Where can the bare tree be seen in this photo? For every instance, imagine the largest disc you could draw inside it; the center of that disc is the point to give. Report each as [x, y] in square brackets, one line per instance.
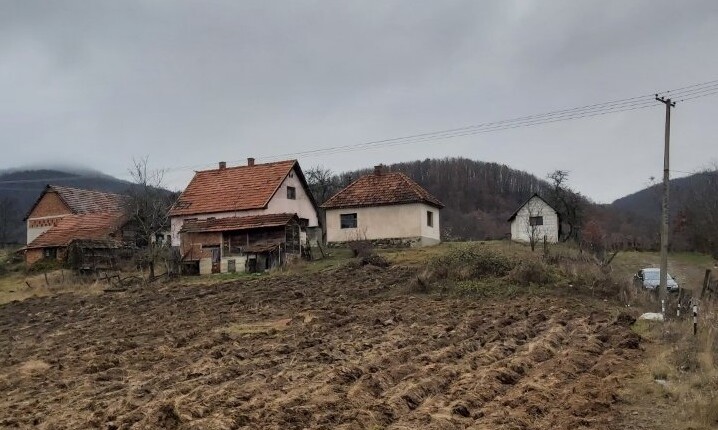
[9, 219]
[533, 224]
[322, 183]
[147, 210]
[569, 204]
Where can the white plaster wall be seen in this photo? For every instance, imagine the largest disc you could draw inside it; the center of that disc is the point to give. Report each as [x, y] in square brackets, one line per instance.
[429, 235]
[33, 233]
[384, 222]
[520, 230]
[239, 263]
[279, 203]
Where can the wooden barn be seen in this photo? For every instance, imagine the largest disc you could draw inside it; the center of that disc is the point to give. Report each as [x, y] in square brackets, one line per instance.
[65, 217]
[237, 244]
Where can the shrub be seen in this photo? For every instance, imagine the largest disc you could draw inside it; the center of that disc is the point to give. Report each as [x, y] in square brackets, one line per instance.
[44, 265]
[361, 248]
[533, 272]
[470, 262]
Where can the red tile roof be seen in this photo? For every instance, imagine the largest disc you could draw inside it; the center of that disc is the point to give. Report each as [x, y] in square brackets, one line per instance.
[236, 223]
[81, 201]
[86, 227]
[389, 188]
[232, 188]
[88, 201]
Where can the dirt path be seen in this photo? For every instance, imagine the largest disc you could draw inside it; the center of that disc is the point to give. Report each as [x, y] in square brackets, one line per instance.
[346, 349]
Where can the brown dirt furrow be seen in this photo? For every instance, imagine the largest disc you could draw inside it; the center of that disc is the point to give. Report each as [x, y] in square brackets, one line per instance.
[347, 349]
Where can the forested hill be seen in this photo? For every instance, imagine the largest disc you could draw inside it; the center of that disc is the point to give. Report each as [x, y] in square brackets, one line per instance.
[693, 210]
[19, 190]
[479, 196]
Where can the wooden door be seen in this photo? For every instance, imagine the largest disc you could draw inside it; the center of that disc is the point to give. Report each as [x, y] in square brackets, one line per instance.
[215, 260]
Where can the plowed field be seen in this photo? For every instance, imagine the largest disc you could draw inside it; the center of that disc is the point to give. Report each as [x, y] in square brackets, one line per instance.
[347, 348]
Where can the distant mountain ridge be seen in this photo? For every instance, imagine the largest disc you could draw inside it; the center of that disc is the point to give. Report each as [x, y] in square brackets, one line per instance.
[647, 202]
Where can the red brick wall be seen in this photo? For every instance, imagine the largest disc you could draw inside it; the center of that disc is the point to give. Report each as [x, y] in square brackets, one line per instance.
[43, 222]
[195, 240]
[32, 256]
[50, 204]
[36, 254]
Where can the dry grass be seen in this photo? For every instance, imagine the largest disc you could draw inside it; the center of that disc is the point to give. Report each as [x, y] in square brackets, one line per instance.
[256, 327]
[18, 286]
[687, 364]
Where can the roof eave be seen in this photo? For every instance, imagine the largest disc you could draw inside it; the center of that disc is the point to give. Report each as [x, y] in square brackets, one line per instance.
[366, 205]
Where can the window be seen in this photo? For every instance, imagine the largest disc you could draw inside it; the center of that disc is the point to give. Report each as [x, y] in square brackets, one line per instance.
[291, 193]
[348, 220]
[430, 218]
[535, 220]
[50, 253]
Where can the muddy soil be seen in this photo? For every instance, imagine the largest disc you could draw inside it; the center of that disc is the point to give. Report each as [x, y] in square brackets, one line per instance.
[346, 349]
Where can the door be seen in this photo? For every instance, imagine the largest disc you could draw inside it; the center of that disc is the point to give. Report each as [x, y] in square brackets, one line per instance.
[215, 260]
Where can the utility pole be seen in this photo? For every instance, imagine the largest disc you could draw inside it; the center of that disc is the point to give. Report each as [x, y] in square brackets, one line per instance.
[663, 288]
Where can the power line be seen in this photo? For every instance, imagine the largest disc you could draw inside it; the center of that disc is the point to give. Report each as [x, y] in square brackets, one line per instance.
[689, 92]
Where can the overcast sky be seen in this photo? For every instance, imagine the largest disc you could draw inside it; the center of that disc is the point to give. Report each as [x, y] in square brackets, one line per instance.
[190, 83]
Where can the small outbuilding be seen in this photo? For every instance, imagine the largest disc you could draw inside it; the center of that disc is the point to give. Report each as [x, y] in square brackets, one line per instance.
[252, 243]
[534, 221]
[386, 207]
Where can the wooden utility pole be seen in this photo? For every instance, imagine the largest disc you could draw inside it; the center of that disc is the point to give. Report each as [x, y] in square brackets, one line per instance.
[663, 288]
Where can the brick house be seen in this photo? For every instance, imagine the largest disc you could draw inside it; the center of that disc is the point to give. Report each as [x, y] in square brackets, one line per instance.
[386, 207]
[64, 215]
[249, 217]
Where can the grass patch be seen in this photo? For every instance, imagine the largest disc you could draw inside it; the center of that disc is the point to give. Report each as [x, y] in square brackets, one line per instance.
[265, 327]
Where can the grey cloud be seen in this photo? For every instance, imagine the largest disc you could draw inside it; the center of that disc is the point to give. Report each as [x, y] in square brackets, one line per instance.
[193, 82]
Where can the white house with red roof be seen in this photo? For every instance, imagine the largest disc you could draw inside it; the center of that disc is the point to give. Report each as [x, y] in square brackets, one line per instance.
[387, 207]
[231, 215]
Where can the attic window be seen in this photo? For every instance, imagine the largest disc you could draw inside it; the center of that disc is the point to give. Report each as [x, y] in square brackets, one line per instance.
[291, 193]
[535, 220]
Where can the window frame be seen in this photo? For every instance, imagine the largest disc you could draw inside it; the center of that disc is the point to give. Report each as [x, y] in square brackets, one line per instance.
[353, 216]
[430, 219]
[291, 193]
[536, 221]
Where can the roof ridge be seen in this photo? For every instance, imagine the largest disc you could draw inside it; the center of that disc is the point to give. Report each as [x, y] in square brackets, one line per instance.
[244, 166]
[85, 190]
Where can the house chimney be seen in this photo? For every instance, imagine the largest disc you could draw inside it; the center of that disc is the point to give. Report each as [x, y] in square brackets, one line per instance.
[378, 170]
[250, 161]
[222, 165]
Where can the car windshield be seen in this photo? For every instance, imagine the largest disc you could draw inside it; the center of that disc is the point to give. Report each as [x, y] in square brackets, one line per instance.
[654, 275]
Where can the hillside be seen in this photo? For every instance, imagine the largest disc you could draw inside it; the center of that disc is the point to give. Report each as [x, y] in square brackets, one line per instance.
[479, 196]
[20, 188]
[693, 210]
[647, 202]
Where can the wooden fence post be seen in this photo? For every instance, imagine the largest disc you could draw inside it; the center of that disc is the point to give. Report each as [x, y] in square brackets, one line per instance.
[706, 281]
[695, 319]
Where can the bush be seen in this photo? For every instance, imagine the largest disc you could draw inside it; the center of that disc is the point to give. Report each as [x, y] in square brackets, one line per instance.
[470, 262]
[533, 272]
[361, 248]
[45, 265]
